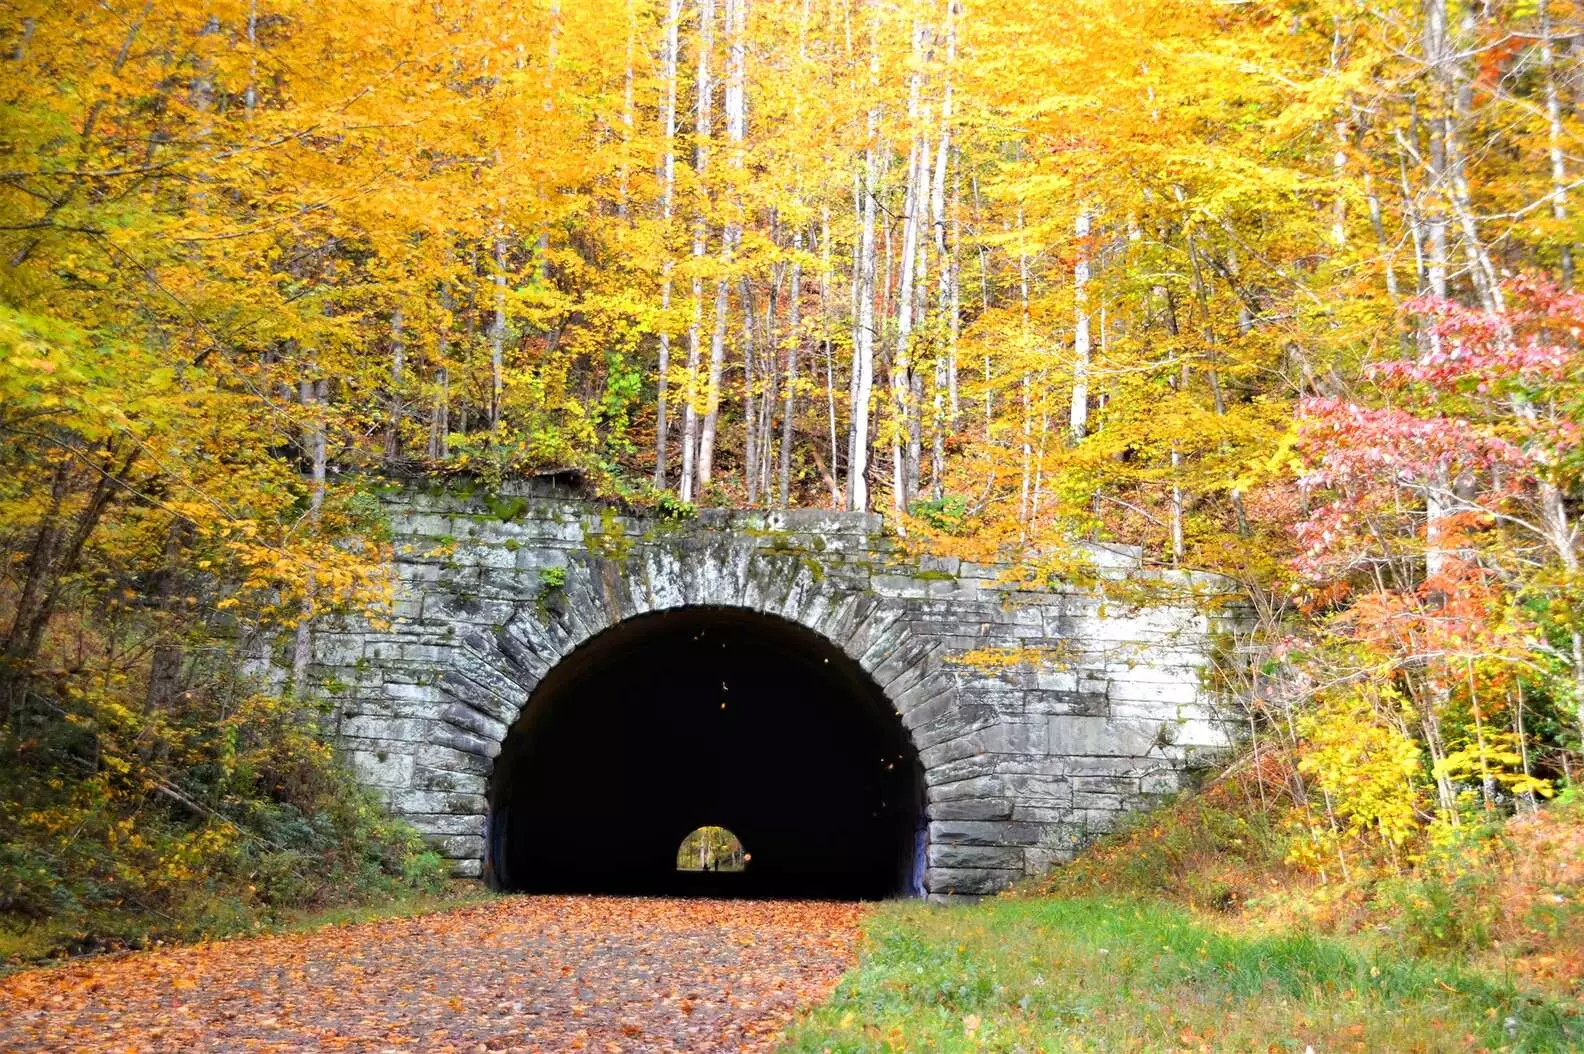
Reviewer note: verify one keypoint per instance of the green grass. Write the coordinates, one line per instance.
(1135, 974)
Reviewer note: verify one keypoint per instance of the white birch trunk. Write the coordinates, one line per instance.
(627, 110)
(702, 120)
(1554, 136)
(863, 315)
(668, 109)
(1078, 419)
(736, 130)
(900, 363)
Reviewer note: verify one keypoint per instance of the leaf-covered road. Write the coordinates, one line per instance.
(520, 973)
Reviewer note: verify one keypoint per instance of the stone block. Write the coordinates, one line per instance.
(975, 856)
(969, 881)
(963, 789)
(1042, 812)
(431, 801)
(1047, 787)
(1168, 782)
(1123, 688)
(1040, 861)
(382, 768)
(1101, 736)
(980, 832)
(1096, 800)
(340, 649)
(986, 808)
(446, 824)
(960, 774)
(459, 847)
(447, 781)
(454, 752)
(370, 726)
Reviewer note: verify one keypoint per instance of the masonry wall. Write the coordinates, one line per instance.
(1039, 716)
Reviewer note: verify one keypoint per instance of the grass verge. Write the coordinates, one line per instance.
(1139, 974)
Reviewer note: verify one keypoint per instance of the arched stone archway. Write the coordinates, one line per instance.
(1088, 706)
(707, 714)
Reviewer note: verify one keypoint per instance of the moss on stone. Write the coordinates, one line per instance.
(507, 509)
(609, 541)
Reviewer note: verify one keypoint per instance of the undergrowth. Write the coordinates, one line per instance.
(1502, 892)
(1200, 927)
(121, 826)
(1135, 974)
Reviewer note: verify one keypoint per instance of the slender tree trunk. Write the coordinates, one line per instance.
(250, 93)
(901, 387)
(1025, 490)
(54, 555)
(1415, 221)
(984, 305)
(1436, 220)
(826, 275)
(954, 301)
(1213, 372)
(627, 110)
(498, 332)
(1178, 551)
(1078, 419)
(1388, 269)
(945, 379)
(668, 112)
(1554, 136)
(770, 374)
(312, 394)
(703, 89)
(736, 130)
(750, 404)
(1039, 454)
(921, 301)
(166, 591)
(398, 365)
(863, 316)
(440, 412)
(1339, 200)
(794, 339)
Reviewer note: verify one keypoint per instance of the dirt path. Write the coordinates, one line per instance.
(519, 974)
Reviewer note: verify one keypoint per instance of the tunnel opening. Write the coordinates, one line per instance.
(707, 717)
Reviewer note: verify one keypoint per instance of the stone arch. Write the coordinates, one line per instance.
(495, 676)
(1100, 707)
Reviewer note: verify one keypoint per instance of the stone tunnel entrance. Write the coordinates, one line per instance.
(708, 716)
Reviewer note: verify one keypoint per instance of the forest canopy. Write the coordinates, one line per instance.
(1277, 288)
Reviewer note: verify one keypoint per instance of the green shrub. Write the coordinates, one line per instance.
(121, 824)
(948, 514)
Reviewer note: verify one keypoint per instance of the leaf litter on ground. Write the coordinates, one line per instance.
(522, 973)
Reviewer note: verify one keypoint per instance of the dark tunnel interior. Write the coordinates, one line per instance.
(707, 716)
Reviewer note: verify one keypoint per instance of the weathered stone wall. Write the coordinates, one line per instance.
(1022, 762)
